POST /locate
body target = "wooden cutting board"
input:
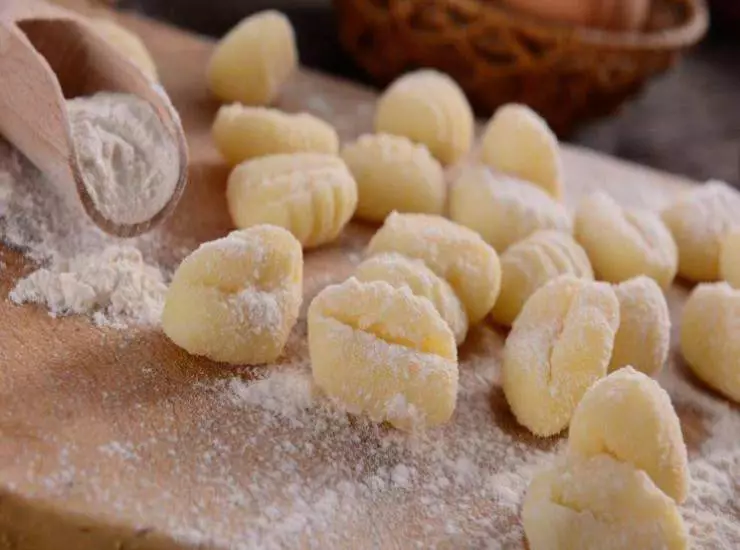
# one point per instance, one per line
(117, 439)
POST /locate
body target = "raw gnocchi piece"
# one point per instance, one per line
(624, 243)
(729, 260)
(453, 252)
(428, 107)
(400, 271)
(643, 338)
(519, 142)
(236, 299)
(255, 58)
(381, 351)
(628, 416)
(531, 263)
(313, 196)
(128, 44)
(502, 209)
(393, 173)
(559, 346)
(698, 221)
(584, 504)
(709, 337)
(243, 133)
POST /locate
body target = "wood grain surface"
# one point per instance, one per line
(118, 439)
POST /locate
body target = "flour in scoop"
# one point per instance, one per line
(129, 160)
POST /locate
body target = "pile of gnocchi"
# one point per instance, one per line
(582, 291)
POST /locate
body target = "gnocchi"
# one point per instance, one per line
(428, 107)
(311, 195)
(519, 142)
(531, 263)
(380, 351)
(236, 299)
(393, 173)
(628, 416)
(559, 346)
(698, 221)
(643, 338)
(709, 337)
(128, 44)
(502, 209)
(253, 61)
(729, 258)
(243, 133)
(453, 252)
(399, 271)
(624, 243)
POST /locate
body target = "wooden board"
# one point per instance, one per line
(118, 439)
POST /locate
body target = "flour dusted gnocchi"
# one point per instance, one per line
(252, 62)
(311, 195)
(502, 209)
(128, 44)
(428, 107)
(698, 221)
(624, 243)
(560, 344)
(519, 142)
(236, 299)
(243, 133)
(729, 260)
(399, 271)
(598, 502)
(709, 337)
(531, 263)
(380, 351)
(393, 173)
(453, 252)
(643, 338)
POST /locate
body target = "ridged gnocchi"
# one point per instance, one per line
(236, 299)
(400, 271)
(729, 258)
(502, 209)
(709, 337)
(698, 221)
(393, 173)
(624, 243)
(598, 502)
(128, 44)
(531, 263)
(243, 133)
(313, 196)
(517, 141)
(255, 58)
(643, 338)
(380, 351)
(560, 344)
(453, 252)
(428, 107)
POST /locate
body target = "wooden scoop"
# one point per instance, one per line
(48, 54)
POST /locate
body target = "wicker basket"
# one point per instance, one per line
(568, 74)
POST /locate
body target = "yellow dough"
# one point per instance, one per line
(643, 338)
(628, 416)
(699, 220)
(709, 337)
(504, 210)
(380, 351)
(128, 44)
(237, 298)
(243, 133)
(624, 243)
(729, 259)
(393, 173)
(428, 107)
(252, 62)
(400, 271)
(311, 195)
(559, 346)
(519, 142)
(531, 263)
(599, 503)
(453, 252)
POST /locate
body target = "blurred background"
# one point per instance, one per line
(685, 119)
